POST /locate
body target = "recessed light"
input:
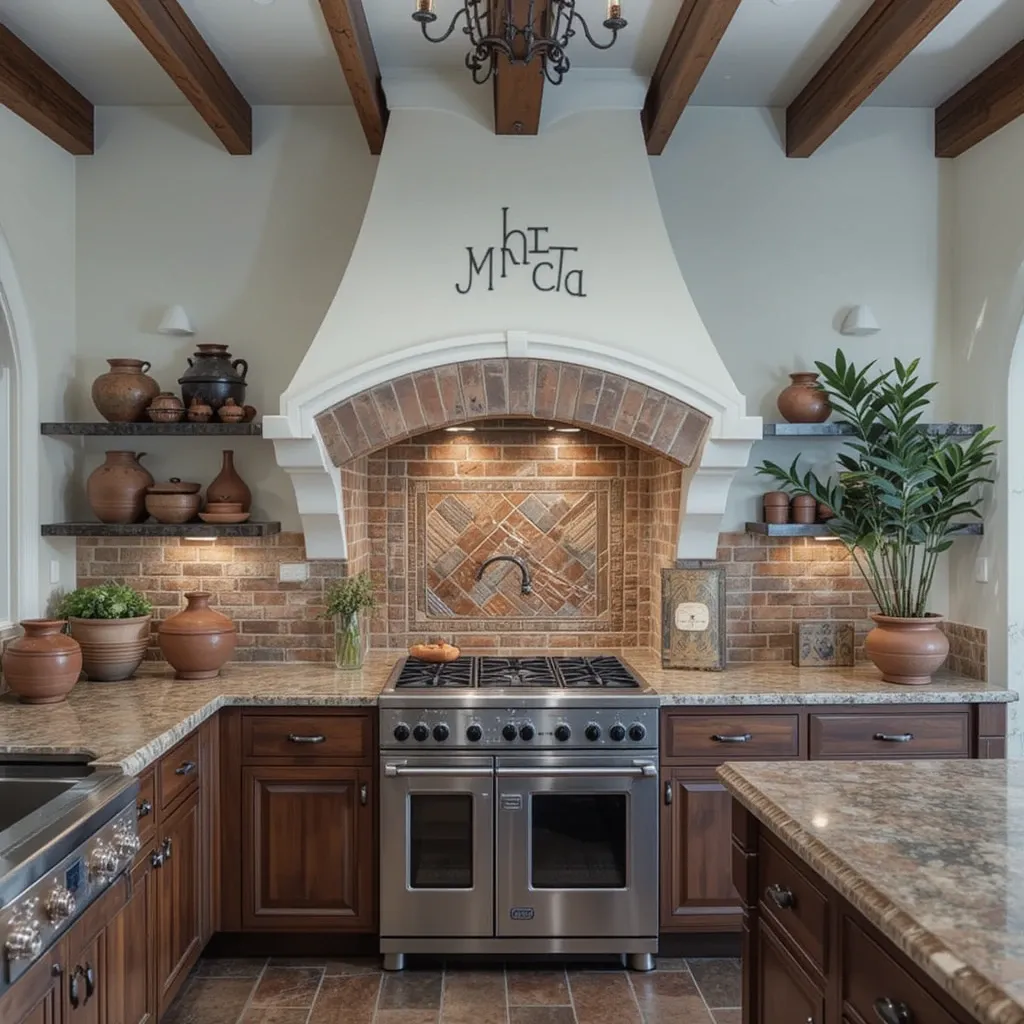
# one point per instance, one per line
(567, 430)
(460, 430)
(199, 540)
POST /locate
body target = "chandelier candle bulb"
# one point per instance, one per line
(614, 11)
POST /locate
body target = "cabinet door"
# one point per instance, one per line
(85, 977)
(36, 998)
(784, 992)
(130, 973)
(178, 878)
(697, 892)
(308, 860)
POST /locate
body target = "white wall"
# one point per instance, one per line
(37, 219)
(253, 248)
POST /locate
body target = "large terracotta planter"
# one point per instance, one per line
(804, 401)
(907, 651)
(117, 489)
(123, 394)
(197, 641)
(112, 649)
(42, 666)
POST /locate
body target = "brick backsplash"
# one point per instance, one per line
(968, 649)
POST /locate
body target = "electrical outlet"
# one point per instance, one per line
(981, 570)
(293, 572)
(54, 570)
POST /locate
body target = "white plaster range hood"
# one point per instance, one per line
(430, 282)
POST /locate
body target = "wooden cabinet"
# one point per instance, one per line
(308, 848)
(130, 965)
(37, 998)
(784, 991)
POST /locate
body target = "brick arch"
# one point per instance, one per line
(457, 393)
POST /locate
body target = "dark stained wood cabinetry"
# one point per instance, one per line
(131, 980)
(37, 998)
(785, 992)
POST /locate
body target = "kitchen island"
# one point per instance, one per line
(884, 891)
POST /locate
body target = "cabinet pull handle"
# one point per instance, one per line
(90, 982)
(888, 1011)
(167, 848)
(144, 809)
(894, 737)
(364, 794)
(185, 768)
(296, 738)
(156, 858)
(742, 737)
(56, 970)
(668, 794)
(73, 988)
(782, 897)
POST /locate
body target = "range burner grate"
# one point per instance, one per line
(602, 671)
(596, 672)
(532, 673)
(448, 675)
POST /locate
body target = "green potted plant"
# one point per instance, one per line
(899, 496)
(111, 624)
(345, 599)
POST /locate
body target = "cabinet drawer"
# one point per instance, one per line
(793, 903)
(906, 734)
(731, 737)
(344, 737)
(145, 807)
(178, 772)
(870, 975)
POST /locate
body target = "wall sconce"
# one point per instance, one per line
(176, 323)
(859, 322)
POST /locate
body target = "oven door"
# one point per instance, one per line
(577, 846)
(436, 846)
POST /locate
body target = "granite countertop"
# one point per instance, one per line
(931, 852)
(131, 724)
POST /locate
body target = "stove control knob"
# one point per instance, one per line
(441, 732)
(103, 864)
(60, 904)
(420, 733)
(592, 732)
(509, 732)
(402, 732)
(527, 731)
(474, 733)
(562, 733)
(617, 732)
(637, 732)
(24, 941)
(127, 843)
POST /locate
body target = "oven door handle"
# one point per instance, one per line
(401, 769)
(639, 769)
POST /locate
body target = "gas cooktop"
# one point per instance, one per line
(529, 673)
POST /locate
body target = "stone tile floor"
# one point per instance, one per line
(356, 991)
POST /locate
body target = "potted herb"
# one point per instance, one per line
(898, 498)
(345, 599)
(111, 624)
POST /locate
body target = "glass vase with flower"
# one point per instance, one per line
(344, 600)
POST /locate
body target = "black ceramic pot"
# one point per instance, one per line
(214, 377)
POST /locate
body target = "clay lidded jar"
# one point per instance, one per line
(776, 507)
(42, 666)
(229, 412)
(214, 377)
(804, 509)
(804, 401)
(197, 641)
(123, 394)
(167, 407)
(228, 485)
(117, 489)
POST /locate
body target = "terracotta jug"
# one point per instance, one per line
(804, 401)
(42, 666)
(117, 489)
(197, 641)
(228, 485)
(123, 394)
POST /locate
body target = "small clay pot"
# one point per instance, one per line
(250, 413)
(804, 509)
(199, 411)
(123, 393)
(173, 508)
(117, 489)
(228, 485)
(42, 666)
(167, 407)
(197, 641)
(804, 401)
(229, 412)
(175, 486)
(907, 651)
(776, 507)
(824, 512)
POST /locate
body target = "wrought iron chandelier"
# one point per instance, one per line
(493, 33)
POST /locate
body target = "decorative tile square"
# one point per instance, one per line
(823, 644)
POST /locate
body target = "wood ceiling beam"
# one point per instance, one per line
(518, 88)
(38, 95)
(346, 21)
(886, 33)
(168, 33)
(695, 36)
(987, 103)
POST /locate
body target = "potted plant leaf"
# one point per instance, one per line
(899, 496)
(345, 599)
(111, 624)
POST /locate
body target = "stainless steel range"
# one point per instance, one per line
(519, 809)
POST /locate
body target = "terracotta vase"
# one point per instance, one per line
(117, 489)
(112, 649)
(804, 401)
(123, 394)
(42, 666)
(197, 641)
(907, 651)
(228, 485)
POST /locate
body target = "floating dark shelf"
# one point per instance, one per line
(152, 429)
(249, 529)
(821, 530)
(844, 430)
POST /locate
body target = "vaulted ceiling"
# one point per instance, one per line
(819, 58)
